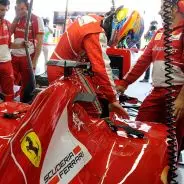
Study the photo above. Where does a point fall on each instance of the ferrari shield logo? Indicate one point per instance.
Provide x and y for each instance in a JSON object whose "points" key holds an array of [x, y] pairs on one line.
{"points": [[31, 147], [158, 36]]}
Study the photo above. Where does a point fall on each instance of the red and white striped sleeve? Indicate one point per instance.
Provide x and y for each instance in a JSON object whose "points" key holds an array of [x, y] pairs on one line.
{"points": [[40, 26], [140, 67]]}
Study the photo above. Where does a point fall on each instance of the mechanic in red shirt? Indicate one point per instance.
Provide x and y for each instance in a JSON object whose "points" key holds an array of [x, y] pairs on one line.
{"points": [[36, 33], [153, 108], [6, 70], [88, 37]]}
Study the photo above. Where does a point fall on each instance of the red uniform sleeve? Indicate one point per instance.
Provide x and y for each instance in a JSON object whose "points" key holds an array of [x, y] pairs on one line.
{"points": [[9, 32], [182, 56], [140, 67], [95, 46], [38, 25]]}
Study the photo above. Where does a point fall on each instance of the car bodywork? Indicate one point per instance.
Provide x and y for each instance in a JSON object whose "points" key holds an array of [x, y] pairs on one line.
{"points": [[54, 140]]}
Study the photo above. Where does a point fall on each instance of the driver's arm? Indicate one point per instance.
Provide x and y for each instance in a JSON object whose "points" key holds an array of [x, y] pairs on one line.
{"points": [[140, 67], [95, 46]]}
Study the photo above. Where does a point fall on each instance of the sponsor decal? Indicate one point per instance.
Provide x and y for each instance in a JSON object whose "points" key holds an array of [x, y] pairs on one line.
{"points": [[54, 180], [176, 37], [158, 48], [65, 166], [173, 37], [5, 36], [65, 156], [158, 36], [5, 27], [22, 30], [86, 20], [164, 175], [172, 50], [31, 147], [77, 122]]}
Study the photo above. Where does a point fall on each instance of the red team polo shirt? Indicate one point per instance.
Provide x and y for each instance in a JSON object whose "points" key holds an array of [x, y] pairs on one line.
{"points": [[86, 38], [36, 27], [4, 41], [154, 53]]}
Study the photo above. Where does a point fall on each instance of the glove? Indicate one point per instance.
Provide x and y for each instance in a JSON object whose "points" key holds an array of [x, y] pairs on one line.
{"points": [[27, 43], [120, 89], [116, 107]]}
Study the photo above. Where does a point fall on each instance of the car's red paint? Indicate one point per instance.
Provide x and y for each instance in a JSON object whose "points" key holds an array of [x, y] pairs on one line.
{"points": [[64, 128], [126, 57]]}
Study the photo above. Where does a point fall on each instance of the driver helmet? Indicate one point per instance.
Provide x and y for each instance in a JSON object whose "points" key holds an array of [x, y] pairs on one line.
{"points": [[127, 27]]}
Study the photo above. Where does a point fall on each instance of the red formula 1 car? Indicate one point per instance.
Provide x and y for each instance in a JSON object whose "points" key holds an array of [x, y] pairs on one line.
{"points": [[54, 140]]}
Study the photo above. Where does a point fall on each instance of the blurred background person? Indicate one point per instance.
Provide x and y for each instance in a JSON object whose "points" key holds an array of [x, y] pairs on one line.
{"points": [[47, 33]]}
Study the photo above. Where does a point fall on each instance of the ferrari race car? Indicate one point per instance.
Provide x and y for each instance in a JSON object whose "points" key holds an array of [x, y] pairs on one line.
{"points": [[55, 140]]}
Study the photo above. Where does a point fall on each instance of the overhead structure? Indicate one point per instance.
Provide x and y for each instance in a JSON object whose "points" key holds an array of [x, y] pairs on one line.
{"points": [[31, 86], [113, 5], [66, 16]]}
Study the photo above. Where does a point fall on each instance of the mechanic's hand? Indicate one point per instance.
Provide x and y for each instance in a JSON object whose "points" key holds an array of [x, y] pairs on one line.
{"points": [[178, 108], [116, 107], [27, 43], [120, 89], [34, 65], [16, 19]]}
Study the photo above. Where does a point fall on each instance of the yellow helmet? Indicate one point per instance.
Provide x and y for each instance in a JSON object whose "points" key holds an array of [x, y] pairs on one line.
{"points": [[125, 21]]}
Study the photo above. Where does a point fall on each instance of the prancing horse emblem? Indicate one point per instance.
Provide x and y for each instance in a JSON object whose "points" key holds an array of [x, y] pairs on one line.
{"points": [[31, 146]]}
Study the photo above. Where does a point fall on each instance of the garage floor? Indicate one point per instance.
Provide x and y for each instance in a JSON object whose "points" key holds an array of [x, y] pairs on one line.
{"points": [[142, 90]]}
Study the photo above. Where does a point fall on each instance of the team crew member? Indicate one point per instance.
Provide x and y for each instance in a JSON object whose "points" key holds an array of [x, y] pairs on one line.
{"points": [[87, 38], [36, 32], [91, 40], [48, 31], [6, 70], [153, 108]]}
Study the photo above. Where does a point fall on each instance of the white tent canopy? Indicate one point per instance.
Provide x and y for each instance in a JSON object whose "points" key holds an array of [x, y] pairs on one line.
{"points": [[43, 7]]}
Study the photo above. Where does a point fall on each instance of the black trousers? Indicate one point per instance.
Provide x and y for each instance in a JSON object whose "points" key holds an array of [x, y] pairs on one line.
{"points": [[147, 74]]}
